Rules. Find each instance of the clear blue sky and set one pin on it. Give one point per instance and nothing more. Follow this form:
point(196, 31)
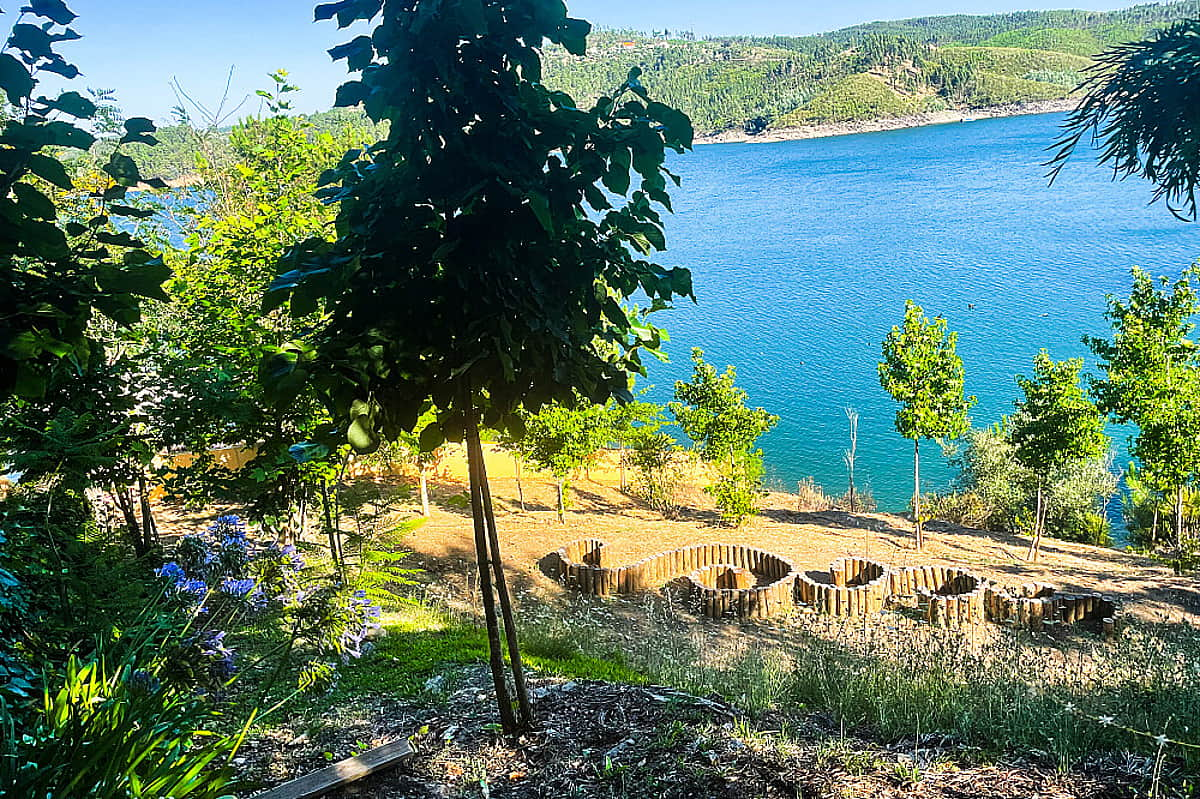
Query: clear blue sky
point(138, 46)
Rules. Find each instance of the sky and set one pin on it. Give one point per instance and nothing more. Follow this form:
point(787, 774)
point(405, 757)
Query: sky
point(140, 48)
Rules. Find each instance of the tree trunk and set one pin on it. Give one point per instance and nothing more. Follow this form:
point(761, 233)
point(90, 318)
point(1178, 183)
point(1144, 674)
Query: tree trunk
point(510, 625)
point(520, 488)
point(149, 527)
point(562, 507)
point(424, 486)
point(331, 531)
point(483, 558)
point(124, 502)
point(917, 493)
point(621, 466)
point(852, 508)
point(1179, 530)
point(1039, 519)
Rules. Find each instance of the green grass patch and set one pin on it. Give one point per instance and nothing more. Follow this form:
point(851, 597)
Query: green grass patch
point(422, 642)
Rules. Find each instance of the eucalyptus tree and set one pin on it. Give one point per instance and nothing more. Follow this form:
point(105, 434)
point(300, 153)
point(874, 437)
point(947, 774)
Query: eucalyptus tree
point(1056, 427)
point(922, 371)
point(712, 411)
point(1150, 377)
point(1140, 104)
point(483, 247)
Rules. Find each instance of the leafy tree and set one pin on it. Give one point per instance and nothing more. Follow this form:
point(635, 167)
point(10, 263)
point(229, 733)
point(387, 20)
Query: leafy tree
point(922, 372)
point(562, 439)
point(713, 414)
point(1141, 105)
point(1151, 378)
point(62, 262)
point(479, 267)
point(1056, 427)
point(201, 353)
point(629, 424)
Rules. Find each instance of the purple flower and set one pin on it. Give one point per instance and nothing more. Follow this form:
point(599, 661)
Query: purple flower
point(172, 571)
point(238, 588)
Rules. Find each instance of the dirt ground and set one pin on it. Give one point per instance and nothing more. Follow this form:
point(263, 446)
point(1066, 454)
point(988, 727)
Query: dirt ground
point(810, 539)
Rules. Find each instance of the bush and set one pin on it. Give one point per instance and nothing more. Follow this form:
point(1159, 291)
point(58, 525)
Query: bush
point(994, 492)
point(811, 497)
point(108, 730)
point(738, 489)
point(654, 458)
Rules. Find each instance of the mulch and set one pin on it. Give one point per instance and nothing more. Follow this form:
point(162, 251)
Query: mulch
point(615, 741)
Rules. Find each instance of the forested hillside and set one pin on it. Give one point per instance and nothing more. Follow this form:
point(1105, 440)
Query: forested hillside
point(752, 84)
point(867, 71)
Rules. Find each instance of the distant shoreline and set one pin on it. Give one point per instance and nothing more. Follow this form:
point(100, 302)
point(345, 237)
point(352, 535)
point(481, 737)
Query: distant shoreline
point(889, 123)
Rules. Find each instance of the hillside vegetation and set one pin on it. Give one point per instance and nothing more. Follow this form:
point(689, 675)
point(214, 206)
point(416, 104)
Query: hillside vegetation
point(869, 71)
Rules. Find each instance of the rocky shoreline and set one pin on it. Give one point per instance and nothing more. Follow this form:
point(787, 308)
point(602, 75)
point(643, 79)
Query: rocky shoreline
point(889, 123)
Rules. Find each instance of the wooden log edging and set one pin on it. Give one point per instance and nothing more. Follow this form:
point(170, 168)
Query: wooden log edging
point(583, 567)
point(732, 580)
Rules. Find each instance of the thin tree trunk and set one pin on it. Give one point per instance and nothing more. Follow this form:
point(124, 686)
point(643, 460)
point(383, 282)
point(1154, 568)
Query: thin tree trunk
point(335, 544)
point(424, 491)
point(621, 465)
point(149, 528)
point(1035, 541)
point(124, 504)
point(852, 507)
point(520, 487)
point(510, 626)
point(1179, 530)
point(508, 721)
point(562, 508)
point(917, 493)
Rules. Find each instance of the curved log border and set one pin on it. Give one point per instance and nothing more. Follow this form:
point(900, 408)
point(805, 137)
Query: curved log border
point(945, 595)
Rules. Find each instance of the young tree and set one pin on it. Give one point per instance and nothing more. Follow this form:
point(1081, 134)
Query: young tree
point(922, 372)
point(561, 439)
point(1056, 426)
point(1151, 378)
point(629, 423)
point(713, 414)
point(480, 265)
point(850, 454)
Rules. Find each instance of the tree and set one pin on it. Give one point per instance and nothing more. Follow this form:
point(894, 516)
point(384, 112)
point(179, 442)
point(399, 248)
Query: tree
point(561, 439)
point(479, 267)
point(1140, 103)
point(63, 264)
point(850, 454)
point(713, 414)
point(1056, 426)
point(922, 372)
point(1151, 378)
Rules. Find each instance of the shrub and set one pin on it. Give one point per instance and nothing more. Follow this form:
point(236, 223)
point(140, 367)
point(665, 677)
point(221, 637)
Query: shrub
point(994, 492)
point(811, 497)
point(739, 488)
point(655, 459)
point(109, 730)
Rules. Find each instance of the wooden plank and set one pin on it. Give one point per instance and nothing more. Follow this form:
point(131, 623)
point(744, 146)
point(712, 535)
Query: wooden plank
point(319, 783)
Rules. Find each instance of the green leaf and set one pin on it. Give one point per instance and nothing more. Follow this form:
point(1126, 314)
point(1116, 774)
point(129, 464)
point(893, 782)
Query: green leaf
point(350, 94)
point(138, 130)
point(358, 53)
point(541, 209)
point(54, 10)
point(144, 280)
point(33, 202)
point(123, 169)
point(572, 35)
point(361, 435)
point(50, 170)
point(15, 79)
point(431, 437)
point(72, 103)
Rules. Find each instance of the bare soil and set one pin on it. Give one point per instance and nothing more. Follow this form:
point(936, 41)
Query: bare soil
point(811, 539)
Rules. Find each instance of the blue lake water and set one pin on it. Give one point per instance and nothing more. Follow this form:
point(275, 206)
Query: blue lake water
point(804, 252)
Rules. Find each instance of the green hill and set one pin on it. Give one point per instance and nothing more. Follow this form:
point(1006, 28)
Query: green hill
point(868, 71)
